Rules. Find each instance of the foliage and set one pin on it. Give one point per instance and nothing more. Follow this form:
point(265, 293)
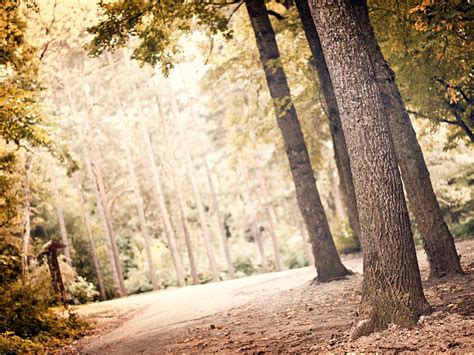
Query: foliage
point(156, 24)
point(427, 43)
point(295, 256)
point(27, 323)
point(20, 118)
point(80, 291)
point(342, 234)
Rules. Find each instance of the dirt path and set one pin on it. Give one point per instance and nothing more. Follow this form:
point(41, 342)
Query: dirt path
point(271, 312)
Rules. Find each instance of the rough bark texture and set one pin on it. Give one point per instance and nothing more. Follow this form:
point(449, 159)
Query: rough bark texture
point(255, 223)
point(437, 239)
point(60, 216)
point(341, 155)
point(327, 261)
point(203, 221)
point(141, 215)
point(220, 221)
point(85, 219)
point(392, 291)
point(160, 200)
point(269, 212)
point(101, 209)
point(26, 216)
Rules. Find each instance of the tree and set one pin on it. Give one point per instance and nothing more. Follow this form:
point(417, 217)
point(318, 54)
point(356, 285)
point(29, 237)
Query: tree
point(180, 200)
point(220, 221)
point(27, 222)
point(255, 223)
point(160, 200)
point(60, 216)
point(437, 239)
point(202, 220)
point(341, 155)
point(327, 261)
point(387, 241)
point(141, 214)
point(87, 223)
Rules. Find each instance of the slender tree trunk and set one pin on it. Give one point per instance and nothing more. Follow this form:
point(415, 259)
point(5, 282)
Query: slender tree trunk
point(341, 155)
point(392, 291)
point(327, 261)
point(60, 215)
point(255, 221)
point(97, 172)
point(220, 221)
point(202, 219)
point(160, 201)
point(26, 215)
point(103, 219)
point(437, 240)
point(184, 225)
point(85, 219)
point(141, 215)
point(179, 195)
point(306, 244)
point(264, 201)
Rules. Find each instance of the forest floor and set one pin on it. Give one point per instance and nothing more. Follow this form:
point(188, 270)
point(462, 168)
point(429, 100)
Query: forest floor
point(278, 312)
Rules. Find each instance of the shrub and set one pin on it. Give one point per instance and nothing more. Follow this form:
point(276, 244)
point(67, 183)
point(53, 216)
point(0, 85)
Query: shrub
point(79, 291)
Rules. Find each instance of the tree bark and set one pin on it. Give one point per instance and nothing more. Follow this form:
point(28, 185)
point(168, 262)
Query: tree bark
point(437, 239)
point(85, 219)
point(103, 219)
point(141, 215)
point(264, 199)
point(327, 261)
point(202, 219)
point(26, 215)
point(392, 291)
point(60, 215)
point(220, 221)
point(160, 201)
point(341, 155)
point(255, 221)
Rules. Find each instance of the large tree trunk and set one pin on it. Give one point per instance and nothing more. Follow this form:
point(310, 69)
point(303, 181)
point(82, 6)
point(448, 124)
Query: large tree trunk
point(255, 224)
point(341, 155)
point(160, 201)
point(26, 215)
point(85, 219)
point(220, 221)
point(392, 291)
point(269, 212)
point(437, 240)
point(60, 215)
point(203, 221)
point(103, 219)
point(141, 215)
point(327, 261)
